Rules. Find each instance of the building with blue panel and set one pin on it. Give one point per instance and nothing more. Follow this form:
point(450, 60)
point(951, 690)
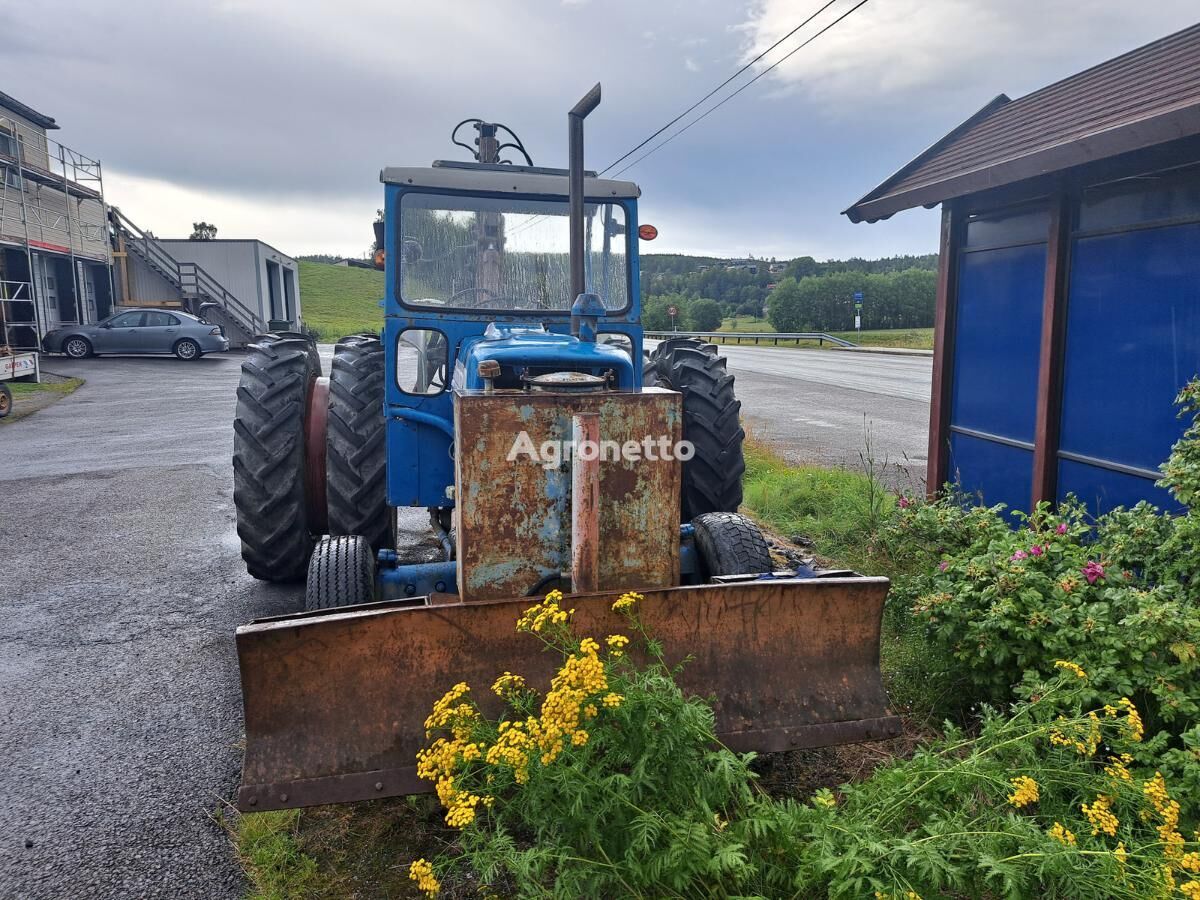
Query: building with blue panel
point(1068, 305)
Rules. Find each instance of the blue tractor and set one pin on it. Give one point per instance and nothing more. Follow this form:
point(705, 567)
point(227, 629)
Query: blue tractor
point(510, 396)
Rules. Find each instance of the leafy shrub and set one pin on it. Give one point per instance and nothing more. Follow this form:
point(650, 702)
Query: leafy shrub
point(613, 784)
point(1116, 594)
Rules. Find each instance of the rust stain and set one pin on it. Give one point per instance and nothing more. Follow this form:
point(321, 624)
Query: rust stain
point(514, 516)
point(336, 703)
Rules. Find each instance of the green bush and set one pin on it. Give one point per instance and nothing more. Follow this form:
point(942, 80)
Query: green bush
point(1115, 594)
point(613, 784)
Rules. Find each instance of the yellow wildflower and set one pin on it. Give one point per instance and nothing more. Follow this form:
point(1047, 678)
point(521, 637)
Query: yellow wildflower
point(626, 601)
point(548, 612)
point(1063, 835)
point(1190, 862)
point(612, 701)
point(421, 871)
point(1133, 721)
point(1190, 890)
point(590, 711)
point(616, 644)
point(1071, 667)
point(1101, 817)
point(507, 684)
point(589, 645)
point(1122, 857)
point(579, 737)
point(1026, 791)
point(1116, 769)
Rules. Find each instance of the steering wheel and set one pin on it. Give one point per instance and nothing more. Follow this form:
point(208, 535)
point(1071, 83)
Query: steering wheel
point(513, 302)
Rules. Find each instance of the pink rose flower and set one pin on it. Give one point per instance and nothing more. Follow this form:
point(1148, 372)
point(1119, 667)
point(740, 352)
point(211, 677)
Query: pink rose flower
point(1036, 550)
point(903, 502)
point(1062, 528)
point(943, 565)
point(1093, 571)
point(1020, 554)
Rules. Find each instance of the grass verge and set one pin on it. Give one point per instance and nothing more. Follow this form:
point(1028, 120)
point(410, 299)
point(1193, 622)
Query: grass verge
point(340, 300)
point(29, 398)
point(893, 338)
point(329, 852)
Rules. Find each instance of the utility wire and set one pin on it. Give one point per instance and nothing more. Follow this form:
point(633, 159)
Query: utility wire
point(713, 109)
point(616, 162)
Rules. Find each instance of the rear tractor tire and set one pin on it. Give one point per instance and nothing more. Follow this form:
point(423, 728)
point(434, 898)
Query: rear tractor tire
point(274, 492)
point(731, 544)
point(356, 455)
point(340, 573)
point(712, 478)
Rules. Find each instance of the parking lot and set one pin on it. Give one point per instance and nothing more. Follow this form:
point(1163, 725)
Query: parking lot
point(123, 586)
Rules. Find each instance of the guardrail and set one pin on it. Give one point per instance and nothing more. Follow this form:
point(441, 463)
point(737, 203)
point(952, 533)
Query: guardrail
point(728, 337)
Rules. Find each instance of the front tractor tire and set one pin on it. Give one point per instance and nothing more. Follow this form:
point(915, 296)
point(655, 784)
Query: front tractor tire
point(273, 491)
point(731, 544)
point(712, 478)
point(341, 573)
point(356, 455)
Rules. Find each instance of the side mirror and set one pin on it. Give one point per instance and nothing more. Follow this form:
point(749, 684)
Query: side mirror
point(106, 324)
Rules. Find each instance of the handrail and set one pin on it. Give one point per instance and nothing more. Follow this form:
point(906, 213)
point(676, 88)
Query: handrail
point(757, 336)
point(193, 279)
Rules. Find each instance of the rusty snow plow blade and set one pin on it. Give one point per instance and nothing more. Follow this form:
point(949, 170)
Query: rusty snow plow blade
point(335, 703)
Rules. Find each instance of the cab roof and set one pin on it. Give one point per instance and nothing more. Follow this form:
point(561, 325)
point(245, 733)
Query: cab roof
point(479, 178)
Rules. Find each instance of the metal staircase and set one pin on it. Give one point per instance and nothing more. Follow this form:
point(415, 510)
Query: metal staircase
point(200, 293)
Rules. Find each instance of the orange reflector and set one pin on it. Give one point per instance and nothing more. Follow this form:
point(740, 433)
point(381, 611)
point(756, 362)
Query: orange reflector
point(380, 256)
point(647, 232)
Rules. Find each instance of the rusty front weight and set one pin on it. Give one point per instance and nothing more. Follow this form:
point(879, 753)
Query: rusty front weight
point(335, 703)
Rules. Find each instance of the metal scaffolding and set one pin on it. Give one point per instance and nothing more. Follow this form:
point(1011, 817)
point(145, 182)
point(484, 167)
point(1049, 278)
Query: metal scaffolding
point(23, 176)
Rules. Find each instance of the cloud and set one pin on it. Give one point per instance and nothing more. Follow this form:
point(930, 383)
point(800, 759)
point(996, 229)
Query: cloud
point(274, 117)
point(892, 52)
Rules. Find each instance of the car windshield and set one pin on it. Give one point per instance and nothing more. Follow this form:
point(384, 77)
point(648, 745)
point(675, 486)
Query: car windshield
point(506, 254)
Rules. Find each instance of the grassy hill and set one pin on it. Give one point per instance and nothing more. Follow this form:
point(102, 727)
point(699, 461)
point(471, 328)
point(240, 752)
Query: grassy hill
point(339, 300)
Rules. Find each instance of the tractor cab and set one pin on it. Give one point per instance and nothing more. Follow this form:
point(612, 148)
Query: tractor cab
point(478, 271)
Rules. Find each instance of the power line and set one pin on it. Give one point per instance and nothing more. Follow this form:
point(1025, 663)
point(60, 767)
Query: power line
point(713, 109)
point(615, 162)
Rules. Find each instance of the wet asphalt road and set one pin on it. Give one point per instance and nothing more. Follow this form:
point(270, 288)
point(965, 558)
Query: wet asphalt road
point(829, 407)
point(122, 588)
point(122, 585)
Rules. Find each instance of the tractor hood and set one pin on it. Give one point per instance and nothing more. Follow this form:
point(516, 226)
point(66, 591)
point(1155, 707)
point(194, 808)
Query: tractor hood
point(523, 350)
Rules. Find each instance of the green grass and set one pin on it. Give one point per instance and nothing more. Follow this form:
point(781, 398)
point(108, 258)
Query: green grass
point(745, 323)
point(26, 389)
point(906, 338)
point(910, 338)
point(340, 300)
point(837, 509)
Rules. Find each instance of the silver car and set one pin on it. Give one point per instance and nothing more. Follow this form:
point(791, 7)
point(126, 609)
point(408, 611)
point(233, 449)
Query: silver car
point(139, 331)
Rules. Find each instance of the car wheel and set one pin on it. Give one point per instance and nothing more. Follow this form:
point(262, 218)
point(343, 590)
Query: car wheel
point(77, 348)
point(5, 400)
point(187, 349)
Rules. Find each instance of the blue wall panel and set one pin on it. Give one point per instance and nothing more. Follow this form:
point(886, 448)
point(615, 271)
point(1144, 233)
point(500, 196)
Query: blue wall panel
point(1103, 489)
point(997, 340)
point(1133, 339)
point(998, 472)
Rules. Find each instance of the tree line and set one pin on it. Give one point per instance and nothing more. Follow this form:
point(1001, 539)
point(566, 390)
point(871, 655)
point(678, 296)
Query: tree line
point(801, 295)
point(902, 299)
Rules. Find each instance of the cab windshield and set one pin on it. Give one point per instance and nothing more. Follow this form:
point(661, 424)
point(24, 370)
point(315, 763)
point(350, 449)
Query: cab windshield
point(506, 254)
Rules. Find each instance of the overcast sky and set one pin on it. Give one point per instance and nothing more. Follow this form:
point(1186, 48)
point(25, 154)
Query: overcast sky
point(272, 119)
